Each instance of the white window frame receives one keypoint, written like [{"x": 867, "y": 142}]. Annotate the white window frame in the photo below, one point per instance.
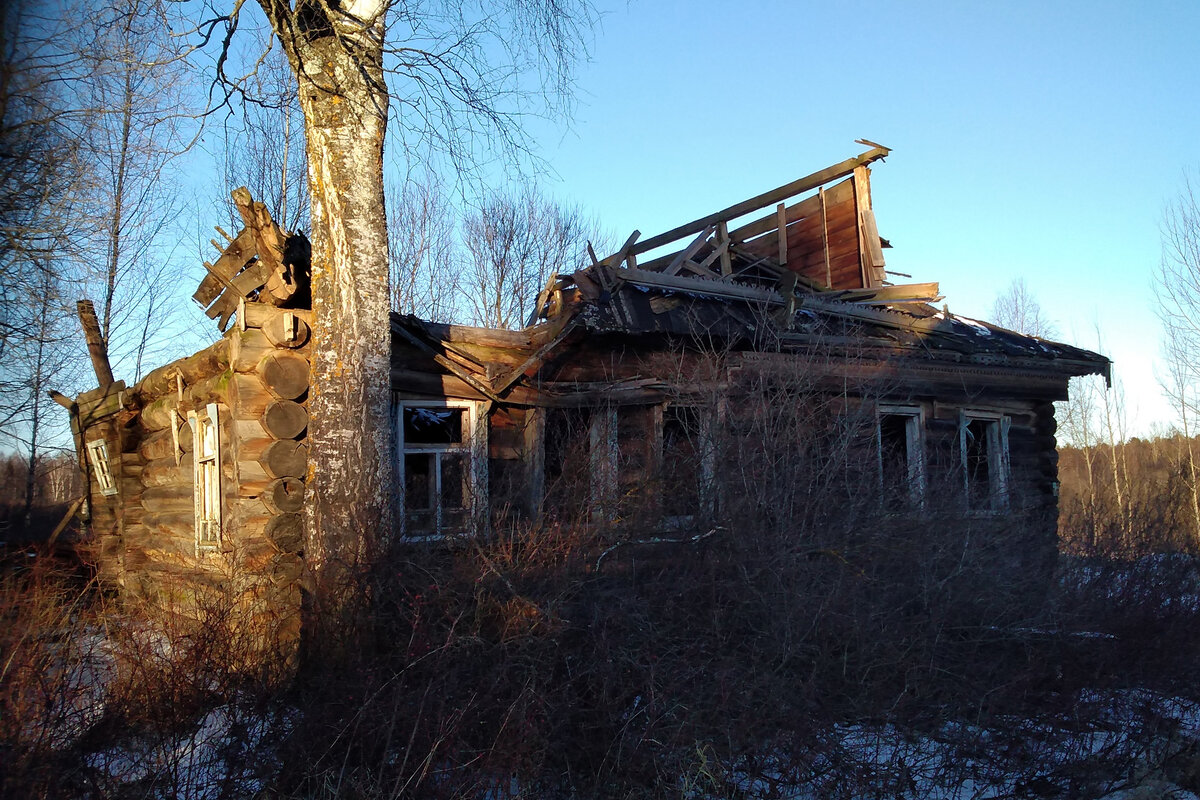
[
  {"x": 474, "y": 445},
  {"x": 999, "y": 464},
  {"x": 914, "y": 436},
  {"x": 206, "y": 463},
  {"x": 97, "y": 455}
]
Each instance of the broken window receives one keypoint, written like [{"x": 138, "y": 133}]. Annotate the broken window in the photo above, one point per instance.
[
  {"x": 901, "y": 441},
  {"x": 206, "y": 450},
  {"x": 983, "y": 450},
  {"x": 97, "y": 451},
  {"x": 440, "y": 467},
  {"x": 567, "y": 461},
  {"x": 686, "y": 463}
]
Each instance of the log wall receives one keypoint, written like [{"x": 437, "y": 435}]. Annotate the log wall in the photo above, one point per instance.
[{"x": 257, "y": 375}]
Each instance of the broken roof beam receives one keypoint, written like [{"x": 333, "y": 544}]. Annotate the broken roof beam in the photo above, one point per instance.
[
  {"x": 772, "y": 197},
  {"x": 699, "y": 286},
  {"x": 899, "y": 293}
]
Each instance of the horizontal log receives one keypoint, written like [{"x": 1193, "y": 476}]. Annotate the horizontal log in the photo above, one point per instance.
[
  {"x": 287, "y": 330},
  {"x": 156, "y": 416},
  {"x": 284, "y": 495},
  {"x": 285, "y": 459},
  {"x": 259, "y": 315},
  {"x": 165, "y": 472},
  {"x": 286, "y": 568},
  {"x": 213, "y": 389},
  {"x": 286, "y": 532},
  {"x": 284, "y": 374},
  {"x": 196, "y": 367},
  {"x": 247, "y": 348},
  {"x": 285, "y": 419},
  {"x": 248, "y": 396},
  {"x": 160, "y": 444},
  {"x": 175, "y": 522}
]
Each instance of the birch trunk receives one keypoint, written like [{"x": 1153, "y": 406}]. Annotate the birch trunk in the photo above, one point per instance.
[{"x": 344, "y": 99}]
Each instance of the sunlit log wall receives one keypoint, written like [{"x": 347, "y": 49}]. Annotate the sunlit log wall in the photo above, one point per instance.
[{"x": 145, "y": 532}]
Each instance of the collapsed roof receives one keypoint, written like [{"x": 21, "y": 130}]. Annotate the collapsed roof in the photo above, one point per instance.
[{"x": 809, "y": 272}]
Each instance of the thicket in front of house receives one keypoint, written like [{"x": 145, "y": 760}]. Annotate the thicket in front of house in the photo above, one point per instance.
[{"x": 779, "y": 575}]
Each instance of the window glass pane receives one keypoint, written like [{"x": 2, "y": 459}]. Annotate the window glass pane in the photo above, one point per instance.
[
  {"x": 418, "y": 481},
  {"x": 893, "y": 452},
  {"x": 978, "y": 458},
  {"x": 433, "y": 425},
  {"x": 454, "y": 481}
]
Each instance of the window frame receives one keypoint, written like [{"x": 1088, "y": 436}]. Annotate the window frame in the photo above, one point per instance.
[
  {"x": 914, "y": 437},
  {"x": 97, "y": 456},
  {"x": 999, "y": 461},
  {"x": 474, "y": 446},
  {"x": 207, "y": 480}
]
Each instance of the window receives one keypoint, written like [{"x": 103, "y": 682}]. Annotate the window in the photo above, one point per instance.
[
  {"x": 901, "y": 442},
  {"x": 441, "y": 467},
  {"x": 688, "y": 464},
  {"x": 97, "y": 453},
  {"x": 983, "y": 452},
  {"x": 206, "y": 450}
]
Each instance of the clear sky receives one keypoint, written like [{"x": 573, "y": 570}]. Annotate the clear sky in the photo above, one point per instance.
[{"x": 1030, "y": 140}]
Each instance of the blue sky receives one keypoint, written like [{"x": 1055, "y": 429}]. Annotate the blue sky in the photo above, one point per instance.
[{"x": 1030, "y": 140}]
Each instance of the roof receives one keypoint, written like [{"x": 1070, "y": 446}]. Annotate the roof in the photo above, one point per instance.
[{"x": 810, "y": 272}]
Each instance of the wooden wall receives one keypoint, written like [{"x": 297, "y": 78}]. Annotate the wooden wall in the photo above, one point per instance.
[{"x": 257, "y": 375}]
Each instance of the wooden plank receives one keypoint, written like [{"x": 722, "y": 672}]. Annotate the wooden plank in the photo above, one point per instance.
[
  {"x": 699, "y": 286},
  {"x": 477, "y": 384},
  {"x": 862, "y": 202},
  {"x": 96, "y": 344},
  {"x": 781, "y": 222},
  {"x": 268, "y": 244},
  {"x": 723, "y": 247},
  {"x": 808, "y": 207},
  {"x": 616, "y": 258},
  {"x": 535, "y": 361},
  {"x": 689, "y": 251},
  {"x": 230, "y": 263},
  {"x": 765, "y": 199},
  {"x": 825, "y": 239}
]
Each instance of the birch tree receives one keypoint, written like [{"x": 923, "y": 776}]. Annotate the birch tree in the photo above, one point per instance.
[
  {"x": 459, "y": 75},
  {"x": 1177, "y": 288},
  {"x": 514, "y": 241}
]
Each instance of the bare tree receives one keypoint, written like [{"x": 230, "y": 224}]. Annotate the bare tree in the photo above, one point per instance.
[
  {"x": 1018, "y": 310},
  {"x": 425, "y": 261},
  {"x": 265, "y": 153},
  {"x": 135, "y": 123},
  {"x": 1177, "y": 287},
  {"x": 514, "y": 242}
]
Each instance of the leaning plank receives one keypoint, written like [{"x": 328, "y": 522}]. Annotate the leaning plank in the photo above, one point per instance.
[
  {"x": 689, "y": 251},
  {"x": 478, "y": 384},
  {"x": 230, "y": 263},
  {"x": 269, "y": 241},
  {"x": 765, "y": 199},
  {"x": 96, "y": 345},
  {"x": 535, "y": 361}
]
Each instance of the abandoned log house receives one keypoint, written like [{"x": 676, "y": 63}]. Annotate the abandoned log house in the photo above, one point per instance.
[{"x": 652, "y": 388}]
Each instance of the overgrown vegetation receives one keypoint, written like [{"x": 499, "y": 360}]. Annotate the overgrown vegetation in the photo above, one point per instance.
[{"x": 801, "y": 639}]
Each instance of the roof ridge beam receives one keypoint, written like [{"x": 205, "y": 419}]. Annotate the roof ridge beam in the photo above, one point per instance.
[{"x": 760, "y": 202}]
